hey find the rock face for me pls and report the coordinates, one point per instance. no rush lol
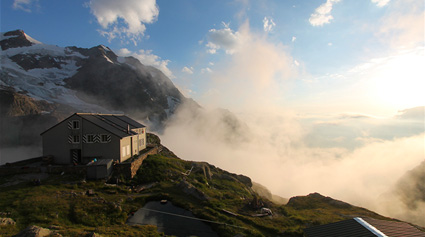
(13, 39)
(46, 80)
(189, 189)
(315, 200)
(86, 80)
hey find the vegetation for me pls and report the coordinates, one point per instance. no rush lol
(72, 207)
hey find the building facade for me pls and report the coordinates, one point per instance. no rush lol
(83, 137)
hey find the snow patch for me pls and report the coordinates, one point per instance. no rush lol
(42, 49)
(108, 59)
(32, 40)
(105, 48)
(3, 37)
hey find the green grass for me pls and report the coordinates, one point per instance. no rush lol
(62, 201)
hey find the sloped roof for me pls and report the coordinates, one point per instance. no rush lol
(395, 228)
(364, 227)
(116, 124)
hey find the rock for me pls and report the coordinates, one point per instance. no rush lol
(34, 231)
(7, 221)
(193, 191)
(93, 234)
(203, 167)
(315, 200)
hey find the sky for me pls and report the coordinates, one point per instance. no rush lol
(329, 92)
(321, 57)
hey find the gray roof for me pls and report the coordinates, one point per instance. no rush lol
(116, 124)
(101, 162)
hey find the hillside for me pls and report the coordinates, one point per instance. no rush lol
(69, 205)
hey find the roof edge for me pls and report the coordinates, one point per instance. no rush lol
(370, 227)
(100, 114)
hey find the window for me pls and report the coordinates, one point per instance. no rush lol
(128, 149)
(141, 142)
(75, 124)
(123, 151)
(90, 138)
(76, 139)
(104, 138)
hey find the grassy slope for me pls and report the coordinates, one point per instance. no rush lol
(61, 201)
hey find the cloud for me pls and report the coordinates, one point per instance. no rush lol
(272, 149)
(224, 38)
(322, 14)
(268, 24)
(380, 3)
(25, 5)
(124, 19)
(146, 57)
(254, 64)
(403, 24)
(294, 38)
(206, 70)
(188, 70)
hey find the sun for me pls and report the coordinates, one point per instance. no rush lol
(399, 81)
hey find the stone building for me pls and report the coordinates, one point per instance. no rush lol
(83, 137)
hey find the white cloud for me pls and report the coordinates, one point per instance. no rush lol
(25, 5)
(296, 63)
(294, 38)
(403, 24)
(330, 44)
(322, 14)
(124, 19)
(188, 70)
(146, 57)
(206, 70)
(268, 24)
(256, 64)
(224, 38)
(380, 3)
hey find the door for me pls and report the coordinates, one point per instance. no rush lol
(75, 156)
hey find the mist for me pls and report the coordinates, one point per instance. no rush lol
(271, 149)
(352, 157)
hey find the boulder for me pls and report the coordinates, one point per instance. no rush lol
(6, 221)
(34, 231)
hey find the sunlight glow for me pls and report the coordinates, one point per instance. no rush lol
(399, 81)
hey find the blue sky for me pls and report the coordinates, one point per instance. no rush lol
(323, 56)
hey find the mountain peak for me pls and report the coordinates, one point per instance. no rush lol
(16, 39)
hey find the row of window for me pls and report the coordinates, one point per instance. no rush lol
(90, 138)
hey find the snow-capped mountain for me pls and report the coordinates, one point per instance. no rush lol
(85, 80)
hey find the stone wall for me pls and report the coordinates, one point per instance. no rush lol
(129, 168)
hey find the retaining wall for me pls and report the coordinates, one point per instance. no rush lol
(129, 168)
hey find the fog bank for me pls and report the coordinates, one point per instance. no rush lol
(272, 149)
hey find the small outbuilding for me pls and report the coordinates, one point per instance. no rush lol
(99, 169)
(82, 137)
